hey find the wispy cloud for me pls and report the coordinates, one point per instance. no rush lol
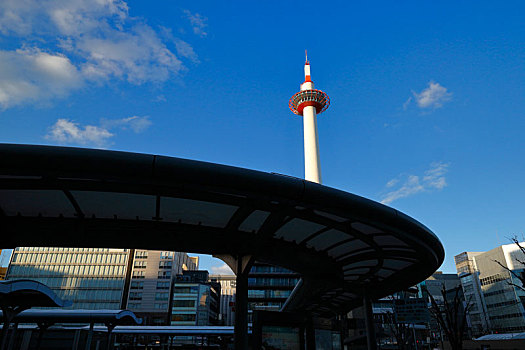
(85, 41)
(434, 96)
(198, 23)
(408, 184)
(221, 270)
(135, 123)
(66, 131)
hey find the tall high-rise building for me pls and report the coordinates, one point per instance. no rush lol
(228, 288)
(102, 278)
(269, 286)
(152, 278)
(469, 277)
(504, 300)
(195, 300)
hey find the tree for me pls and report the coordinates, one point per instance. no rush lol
(401, 331)
(451, 315)
(520, 276)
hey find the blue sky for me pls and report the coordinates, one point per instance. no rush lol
(428, 98)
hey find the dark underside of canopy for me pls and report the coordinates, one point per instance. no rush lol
(343, 245)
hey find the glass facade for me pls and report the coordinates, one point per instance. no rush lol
(269, 287)
(92, 278)
(195, 300)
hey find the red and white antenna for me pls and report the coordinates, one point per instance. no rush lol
(309, 102)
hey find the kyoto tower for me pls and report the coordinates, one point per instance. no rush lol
(309, 102)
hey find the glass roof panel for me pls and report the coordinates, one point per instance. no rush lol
(384, 273)
(326, 239)
(254, 221)
(48, 203)
(194, 212)
(360, 271)
(358, 264)
(397, 264)
(356, 253)
(297, 230)
(346, 248)
(366, 229)
(108, 204)
(389, 240)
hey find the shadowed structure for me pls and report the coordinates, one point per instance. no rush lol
(343, 245)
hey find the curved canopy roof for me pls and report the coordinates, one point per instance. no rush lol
(27, 294)
(342, 244)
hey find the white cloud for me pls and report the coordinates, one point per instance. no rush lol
(85, 40)
(433, 178)
(135, 123)
(34, 75)
(432, 97)
(221, 270)
(65, 131)
(198, 23)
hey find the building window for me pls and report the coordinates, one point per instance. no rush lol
(166, 255)
(165, 264)
(186, 290)
(161, 306)
(163, 285)
(164, 275)
(134, 305)
(139, 274)
(137, 285)
(183, 317)
(135, 296)
(141, 254)
(183, 303)
(161, 296)
(140, 264)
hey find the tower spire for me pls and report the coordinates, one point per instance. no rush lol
(309, 102)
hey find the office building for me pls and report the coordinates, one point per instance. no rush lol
(151, 281)
(227, 310)
(504, 300)
(102, 278)
(269, 286)
(195, 300)
(92, 278)
(470, 282)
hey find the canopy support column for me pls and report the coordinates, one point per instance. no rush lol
(89, 336)
(243, 267)
(369, 323)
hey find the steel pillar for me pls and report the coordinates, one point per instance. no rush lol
(241, 307)
(369, 323)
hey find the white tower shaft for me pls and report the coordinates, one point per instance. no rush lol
(312, 164)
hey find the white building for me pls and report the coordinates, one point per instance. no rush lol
(228, 284)
(500, 297)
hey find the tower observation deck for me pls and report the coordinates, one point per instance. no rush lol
(309, 102)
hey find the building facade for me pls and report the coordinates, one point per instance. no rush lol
(228, 288)
(92, 278)
(504, 300)
(102, 278)
(195, 300)
(470, 282)
(152, 276)
(269, 286)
